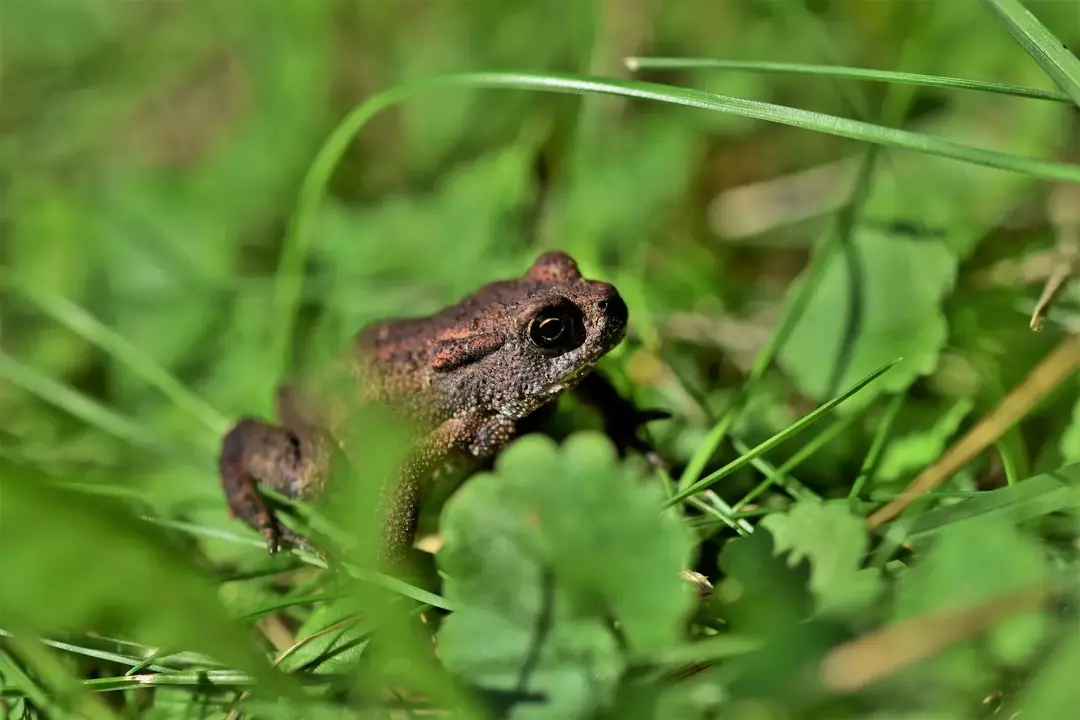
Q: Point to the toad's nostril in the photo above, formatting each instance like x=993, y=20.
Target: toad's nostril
x=614, y=310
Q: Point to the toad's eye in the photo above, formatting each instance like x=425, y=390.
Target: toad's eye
x=557, y=329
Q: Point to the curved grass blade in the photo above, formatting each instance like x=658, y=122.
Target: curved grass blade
x=87, y=326
x=776, y=439
x=841, y=71
x=289, y=281
x=1055, y=59
x=1009, y=460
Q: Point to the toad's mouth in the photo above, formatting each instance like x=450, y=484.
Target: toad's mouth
x=572, y=378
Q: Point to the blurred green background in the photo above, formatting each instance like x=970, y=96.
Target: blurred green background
x=153, y=154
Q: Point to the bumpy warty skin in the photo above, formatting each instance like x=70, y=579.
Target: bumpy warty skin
x=500, y=371
x=462, y=378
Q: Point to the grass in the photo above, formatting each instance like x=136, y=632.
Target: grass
x=160, y=279
x=1052, y=55
x=847, y=73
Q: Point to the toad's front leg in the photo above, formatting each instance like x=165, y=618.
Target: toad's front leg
x=462, y=441
x=293, y=462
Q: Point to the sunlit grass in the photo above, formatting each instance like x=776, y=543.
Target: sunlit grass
x=183, y=601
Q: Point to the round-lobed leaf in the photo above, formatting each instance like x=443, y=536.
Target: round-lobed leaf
x=561, y=560
x=834, y=541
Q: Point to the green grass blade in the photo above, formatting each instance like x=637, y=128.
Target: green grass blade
x=105, y=490
x=773, y=476
x=147, y=662
x=93, y=653
x=1009, y=461
x=881, y=496
x=778, y=438
x=877, y=446
x=289, y=281
x=1055, y=59
x=60, y=680
x=177, y=659
x=1027, y=499
x=789, y=319
x=87, y=326
x=711, y=649
x=841, y=71
x=716, y=508
x=201, y=678
x=390, y=583
x=707, y=447
x=819, y=122
x=290, y=603
x=781, y=475
x=76, y=403
x=19, y=683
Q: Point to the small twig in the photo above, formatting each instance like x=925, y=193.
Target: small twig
x=1047, y=375
x=1038, y=266
x=276, y=632
x=1061, y=274
x=759, y=207
x=1064, y=214
x=884, y=652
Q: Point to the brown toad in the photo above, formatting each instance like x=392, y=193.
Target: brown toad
x=466, y=377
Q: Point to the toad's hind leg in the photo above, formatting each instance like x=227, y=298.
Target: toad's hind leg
x=255, y=453
x=622, y=419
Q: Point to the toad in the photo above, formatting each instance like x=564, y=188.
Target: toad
x=467, y=377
